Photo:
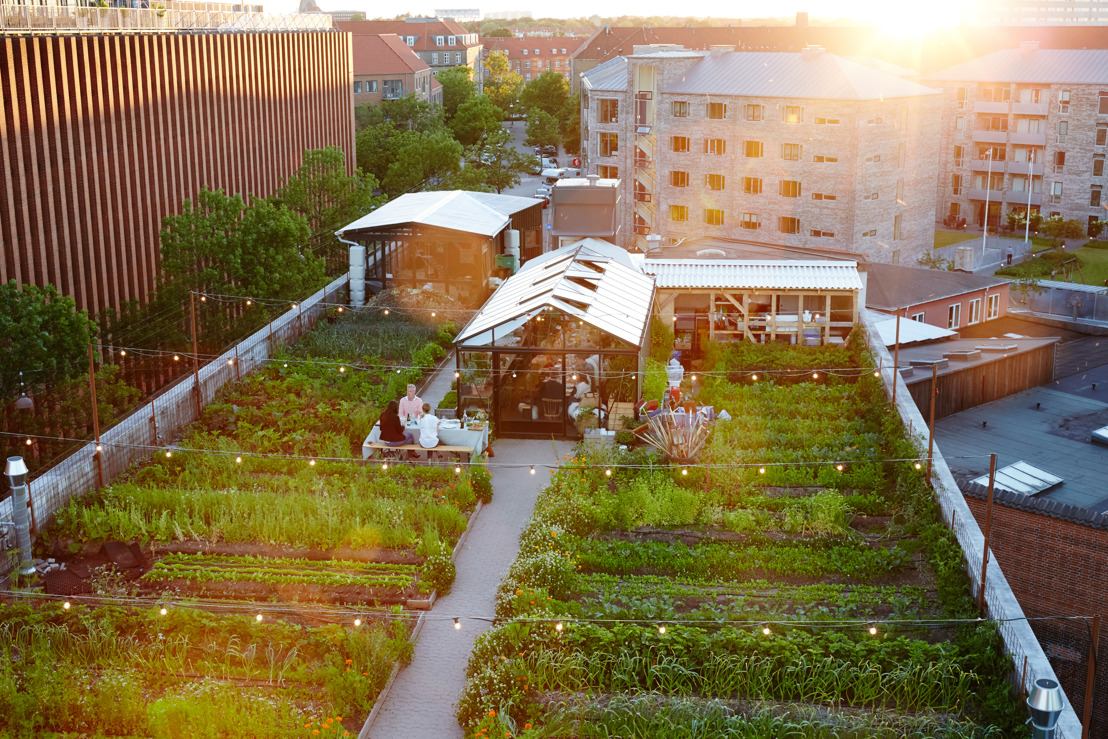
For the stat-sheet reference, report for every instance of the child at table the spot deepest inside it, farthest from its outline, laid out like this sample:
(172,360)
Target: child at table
(428,430)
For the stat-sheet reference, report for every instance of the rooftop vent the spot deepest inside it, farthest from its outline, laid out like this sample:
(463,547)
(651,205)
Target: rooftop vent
(711,254)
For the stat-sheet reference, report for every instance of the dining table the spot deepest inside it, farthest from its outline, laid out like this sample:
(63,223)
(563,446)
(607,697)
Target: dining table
(476,439)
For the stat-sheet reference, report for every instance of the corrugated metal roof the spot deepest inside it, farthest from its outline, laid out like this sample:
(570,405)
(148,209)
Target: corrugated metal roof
(456,210)
(590,280)
(611,76)
(910,331)
(770,275)
(1021,478)
(507,204)
(1046,66)
(816,75)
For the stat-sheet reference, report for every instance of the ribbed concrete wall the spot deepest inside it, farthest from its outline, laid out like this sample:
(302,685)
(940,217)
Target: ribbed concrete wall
(103,135)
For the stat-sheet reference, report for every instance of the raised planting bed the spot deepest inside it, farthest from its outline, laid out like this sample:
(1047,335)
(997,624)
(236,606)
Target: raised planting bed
(801,585)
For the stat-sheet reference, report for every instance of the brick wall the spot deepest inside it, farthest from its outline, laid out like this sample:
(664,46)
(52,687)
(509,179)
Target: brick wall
(1056,567)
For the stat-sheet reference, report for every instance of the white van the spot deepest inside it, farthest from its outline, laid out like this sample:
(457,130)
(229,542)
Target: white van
(550,176)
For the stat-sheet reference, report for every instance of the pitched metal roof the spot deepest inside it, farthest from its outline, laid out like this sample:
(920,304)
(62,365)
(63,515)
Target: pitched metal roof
(590,280)
(506,204)
(894,286)
(1046,66)
(456,210)
(611,76)
(814,74)
(769,275)
(910,331)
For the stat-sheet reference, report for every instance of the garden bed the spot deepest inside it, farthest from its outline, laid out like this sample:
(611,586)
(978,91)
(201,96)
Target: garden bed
(801,586)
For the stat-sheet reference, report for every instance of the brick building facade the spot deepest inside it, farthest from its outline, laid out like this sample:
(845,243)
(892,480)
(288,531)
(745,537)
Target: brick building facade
(1055,557)
(385,68)
(101,135)
(440,42)
(1024,126)
(531,56)
(804,150)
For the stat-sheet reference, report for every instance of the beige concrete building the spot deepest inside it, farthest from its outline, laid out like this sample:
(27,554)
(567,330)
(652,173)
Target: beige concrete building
(1024,127)
(797,149)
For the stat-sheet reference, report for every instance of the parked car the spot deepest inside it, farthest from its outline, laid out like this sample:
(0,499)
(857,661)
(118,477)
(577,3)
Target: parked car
(546,151)
(552,175)
(545,163)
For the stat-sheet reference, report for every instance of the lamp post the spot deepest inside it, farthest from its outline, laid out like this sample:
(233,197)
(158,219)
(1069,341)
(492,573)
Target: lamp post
(1030,189)
(16,471)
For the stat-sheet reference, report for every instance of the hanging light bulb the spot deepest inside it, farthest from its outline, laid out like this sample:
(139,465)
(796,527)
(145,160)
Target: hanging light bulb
(258,617)
(815,375)
(761,470)
(765,630)
(99,447)
(919,466)
(457,374)
(168,453)
(558,626)
(432,314)
(839,467)
(342,369)
(294,305)
(163,611)
(754,378)
(384,466)
(66,605)
(513,375)
(457,469)
(661,628)
(457,624)
(872,630)
(28,442)
(250,302)
(311,462)
(608,472)
(238,460)
(694,378)
(357,622)
(230,361)
(340,309)
(286,364)
(122,352)
(203,298)
(877,373)
(386,311)
(176,357)
(532,469)
(684,471)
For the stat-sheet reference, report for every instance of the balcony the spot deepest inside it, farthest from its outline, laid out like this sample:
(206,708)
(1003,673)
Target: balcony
(990,137)
(1038,109)
(1024,138)
(985,106)
(982,165)
(1018,197)
(994,196)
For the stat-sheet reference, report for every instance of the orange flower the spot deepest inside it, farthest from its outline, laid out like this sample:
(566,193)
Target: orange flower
(492,714)
(519,592)
(315,731)
(349,661)
(365,674)
(527,726)
(308,725)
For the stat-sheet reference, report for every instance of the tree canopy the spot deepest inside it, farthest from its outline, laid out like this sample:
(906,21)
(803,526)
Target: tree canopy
(423,162)
(457,87)
(1059,229)
(502,84)
(500,162)
(542,129)
(548,92)
(475,118)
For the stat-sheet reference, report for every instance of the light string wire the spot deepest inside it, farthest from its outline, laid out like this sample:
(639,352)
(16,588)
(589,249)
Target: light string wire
(312,460)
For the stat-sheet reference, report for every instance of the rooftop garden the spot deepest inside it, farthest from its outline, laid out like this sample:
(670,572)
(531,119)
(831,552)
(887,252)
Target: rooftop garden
(795,580)
(269,567)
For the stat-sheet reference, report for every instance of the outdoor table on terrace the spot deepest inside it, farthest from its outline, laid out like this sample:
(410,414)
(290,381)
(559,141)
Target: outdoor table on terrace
(476,441)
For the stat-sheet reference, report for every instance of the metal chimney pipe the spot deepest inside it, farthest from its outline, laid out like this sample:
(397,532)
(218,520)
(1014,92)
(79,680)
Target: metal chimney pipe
(16,470)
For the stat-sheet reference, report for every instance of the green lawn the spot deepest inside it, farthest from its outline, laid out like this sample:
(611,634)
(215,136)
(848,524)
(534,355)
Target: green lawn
(946,238)
(1093,261)
(1038,243)
(1094,266)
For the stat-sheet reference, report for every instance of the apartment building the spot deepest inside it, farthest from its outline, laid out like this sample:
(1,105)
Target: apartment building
(797,149)
(532,56)
(385,68)
(1024,128)
(440,42)
(108,122)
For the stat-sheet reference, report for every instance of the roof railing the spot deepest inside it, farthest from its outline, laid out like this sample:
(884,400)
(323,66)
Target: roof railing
(113,16)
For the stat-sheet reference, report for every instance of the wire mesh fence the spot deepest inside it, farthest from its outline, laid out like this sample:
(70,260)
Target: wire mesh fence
(153,425)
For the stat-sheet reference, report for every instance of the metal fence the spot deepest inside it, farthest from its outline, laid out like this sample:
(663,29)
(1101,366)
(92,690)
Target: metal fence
(137,436)
(1072,301)
(148,16)
(1030,662)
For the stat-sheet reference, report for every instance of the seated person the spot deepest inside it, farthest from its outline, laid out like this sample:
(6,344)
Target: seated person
(582,388)
(410,405)
(428,429)
(551,389)
(392,428)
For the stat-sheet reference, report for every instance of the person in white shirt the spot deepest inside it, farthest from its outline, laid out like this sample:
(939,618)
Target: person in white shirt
(428,429)
(410,405)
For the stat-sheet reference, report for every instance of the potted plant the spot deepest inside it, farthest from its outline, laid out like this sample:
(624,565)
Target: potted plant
(586,419)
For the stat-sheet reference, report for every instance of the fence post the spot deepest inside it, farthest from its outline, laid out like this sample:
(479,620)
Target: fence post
(988,525)
(1090,679)
(931,428)
(154,421)
(95,421)
(195,357)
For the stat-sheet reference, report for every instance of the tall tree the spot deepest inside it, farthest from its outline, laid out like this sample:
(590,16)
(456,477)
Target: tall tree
(571,125)
(1060,229)
(457,87)
(547,92)
(500,161)
(424,162)
(42,335)
(502,83)
(474,119)
(322,191)
(542,129)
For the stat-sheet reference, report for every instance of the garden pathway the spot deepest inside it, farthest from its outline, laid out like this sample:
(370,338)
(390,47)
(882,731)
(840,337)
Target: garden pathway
(422,699)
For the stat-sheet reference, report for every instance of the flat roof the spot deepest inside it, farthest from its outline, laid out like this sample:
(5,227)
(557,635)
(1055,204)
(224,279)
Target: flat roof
(988,350)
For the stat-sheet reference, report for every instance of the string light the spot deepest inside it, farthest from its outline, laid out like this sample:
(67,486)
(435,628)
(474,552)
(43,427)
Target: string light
(163,611)
(684,470)
(761,470)
(311,462)
(532,469)
(877,373)
(608,472)
(457,624)
(342,369)
(29,443)
(204,299)
(258,617)
(122,352)
(176,357)
(839,467)
(230,361)
(873,630)
(357,622)
(919,466)
(99,447)
(168,453)
(815,375)
(754,378)
(384,466)
(250,302)
(432,314)
(457,374)
(765,630)
(294,306)
(66,605)
(386,311)
(340,309)
(661,628)
(238,460)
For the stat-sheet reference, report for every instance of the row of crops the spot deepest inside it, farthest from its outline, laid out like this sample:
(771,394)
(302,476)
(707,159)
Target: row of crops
(801,585)
(277,566)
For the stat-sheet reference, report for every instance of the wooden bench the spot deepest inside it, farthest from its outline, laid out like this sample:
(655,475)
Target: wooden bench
(384,449)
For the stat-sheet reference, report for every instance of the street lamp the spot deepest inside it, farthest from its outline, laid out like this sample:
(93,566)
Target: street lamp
(1045,706)
(16,471)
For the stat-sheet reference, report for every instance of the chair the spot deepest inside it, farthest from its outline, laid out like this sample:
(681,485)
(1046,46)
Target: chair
(551,409)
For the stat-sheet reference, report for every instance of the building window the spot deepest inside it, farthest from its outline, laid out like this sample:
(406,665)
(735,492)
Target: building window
(1059,162)
(717,111)
(820,158)
(960,98)
(870,233)
(1101,134)
(438,40)
(901,155)
(789,189)
(874,122)
(996,94)
(956,184)
(1094,196)
(822,234)
(897,228)
(713,217)
(823,196)
(678,178)
(1098,166)
(960,123)
(788,225)
(752,149)
(874,158)
(993,308)
(714,181)
(752,185)
(1063,129)
(996,153)
(790,152)
(457,57)
(450,41)
(1103,109)
(410,40)
(792,114)
(434,57)
(750,220)
(525,52)
(371,86)
(954,315)
(357,87)
(715,146)
(538,64)
(678,213)
(607,172)
(609,144)
(1064,101)
(680,109)
(557,63)
(609,110)
(754,112)
(527,64)
(1055,192)
(974,312)
(536,52)
(959,155)
(827,121)
(680,143)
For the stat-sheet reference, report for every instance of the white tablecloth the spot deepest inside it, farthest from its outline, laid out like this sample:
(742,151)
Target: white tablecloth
(478,441)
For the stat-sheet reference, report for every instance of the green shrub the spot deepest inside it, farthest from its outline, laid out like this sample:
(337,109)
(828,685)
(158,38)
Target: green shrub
(482,483)
(439,572)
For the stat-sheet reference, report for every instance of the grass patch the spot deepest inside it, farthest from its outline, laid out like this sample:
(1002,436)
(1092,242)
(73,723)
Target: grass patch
(949,238)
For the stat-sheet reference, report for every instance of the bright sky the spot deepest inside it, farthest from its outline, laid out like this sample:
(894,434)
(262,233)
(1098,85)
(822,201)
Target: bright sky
(899,15)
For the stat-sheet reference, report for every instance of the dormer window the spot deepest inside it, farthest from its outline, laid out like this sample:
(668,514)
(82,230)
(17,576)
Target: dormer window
(525,52)
(536,52)
(450,40)
(410,41)
(438,40)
